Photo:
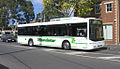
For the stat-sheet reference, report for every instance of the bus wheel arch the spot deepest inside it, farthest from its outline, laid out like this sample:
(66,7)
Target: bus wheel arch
(66,45)
(30,42)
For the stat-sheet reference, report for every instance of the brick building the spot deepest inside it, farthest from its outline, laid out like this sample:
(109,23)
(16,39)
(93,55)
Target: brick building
(108,11)
(110,15)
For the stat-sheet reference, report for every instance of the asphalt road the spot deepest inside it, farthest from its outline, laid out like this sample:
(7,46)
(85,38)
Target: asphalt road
(16,56)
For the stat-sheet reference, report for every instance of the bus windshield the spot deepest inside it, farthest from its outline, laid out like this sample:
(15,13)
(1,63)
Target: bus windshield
(96,30)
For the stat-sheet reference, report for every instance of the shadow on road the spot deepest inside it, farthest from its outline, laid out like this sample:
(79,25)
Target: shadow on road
(95,50)
(3,67)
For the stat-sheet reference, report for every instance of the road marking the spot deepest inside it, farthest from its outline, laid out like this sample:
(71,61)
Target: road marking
(48,49)
(26,47)
(108,57)
(76,53)
(111,57)
(101,54)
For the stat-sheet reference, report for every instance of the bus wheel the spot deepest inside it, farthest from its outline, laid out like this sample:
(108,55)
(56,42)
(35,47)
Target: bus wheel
(30,43)
(66,45)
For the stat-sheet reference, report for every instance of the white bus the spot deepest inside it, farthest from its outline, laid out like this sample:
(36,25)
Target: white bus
(67,33)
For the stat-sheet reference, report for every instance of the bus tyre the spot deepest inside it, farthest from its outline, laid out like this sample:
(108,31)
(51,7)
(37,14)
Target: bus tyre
(66,45)
(30,43)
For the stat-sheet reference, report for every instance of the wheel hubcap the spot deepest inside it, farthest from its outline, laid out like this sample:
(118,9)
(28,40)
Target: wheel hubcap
(66,45)
(30,43)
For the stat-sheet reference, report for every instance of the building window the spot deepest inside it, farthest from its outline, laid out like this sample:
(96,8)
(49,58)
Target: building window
(109,7)
(97,9)
(108,32)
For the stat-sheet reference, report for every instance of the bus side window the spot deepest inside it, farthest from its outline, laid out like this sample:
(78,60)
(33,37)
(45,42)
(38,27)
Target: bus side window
(82,33)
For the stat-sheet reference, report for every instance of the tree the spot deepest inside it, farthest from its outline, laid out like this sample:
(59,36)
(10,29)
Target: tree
(58,8)
(83,7)
(66,7)
(22,11)
(15,11)
(28,11)
(39,17)
(54,9)
(4,16)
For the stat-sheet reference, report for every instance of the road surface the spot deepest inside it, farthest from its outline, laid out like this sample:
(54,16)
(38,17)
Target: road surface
(16,56)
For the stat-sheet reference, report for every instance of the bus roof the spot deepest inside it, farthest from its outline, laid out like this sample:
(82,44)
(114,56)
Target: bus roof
(57,21)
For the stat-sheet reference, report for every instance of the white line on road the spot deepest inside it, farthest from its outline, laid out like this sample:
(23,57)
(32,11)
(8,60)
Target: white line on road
(75,53)
(109,57)
(48,49)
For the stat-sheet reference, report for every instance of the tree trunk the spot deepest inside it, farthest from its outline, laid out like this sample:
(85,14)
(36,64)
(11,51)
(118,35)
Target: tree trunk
(76,11)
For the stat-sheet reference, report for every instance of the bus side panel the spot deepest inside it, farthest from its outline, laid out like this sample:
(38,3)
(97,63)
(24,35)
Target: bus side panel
(53,41)
(79,43)
(50,41)
(25,39)
(35,40)
(22,40)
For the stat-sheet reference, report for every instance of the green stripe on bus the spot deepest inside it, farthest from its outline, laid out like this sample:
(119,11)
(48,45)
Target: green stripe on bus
(77,43)
(52,40)
(51,45)
(46,40)
(84,47)
(73,46)
(45,36)
(80,43)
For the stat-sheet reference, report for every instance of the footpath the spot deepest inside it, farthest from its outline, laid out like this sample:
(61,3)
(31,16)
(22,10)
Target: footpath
(113,47)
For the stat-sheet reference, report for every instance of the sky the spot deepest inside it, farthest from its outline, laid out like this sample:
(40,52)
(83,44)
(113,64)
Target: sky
(38,7)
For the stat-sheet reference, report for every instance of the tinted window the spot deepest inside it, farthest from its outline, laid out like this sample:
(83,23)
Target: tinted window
(96,30)
(27,30)
(78,29)
(56,30)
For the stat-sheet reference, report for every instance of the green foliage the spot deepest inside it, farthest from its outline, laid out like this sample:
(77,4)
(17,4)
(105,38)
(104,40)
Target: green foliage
(64,8)
(83,7)
(54,9)
(4,16)
(38,18)
(12,11)
(59,7)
